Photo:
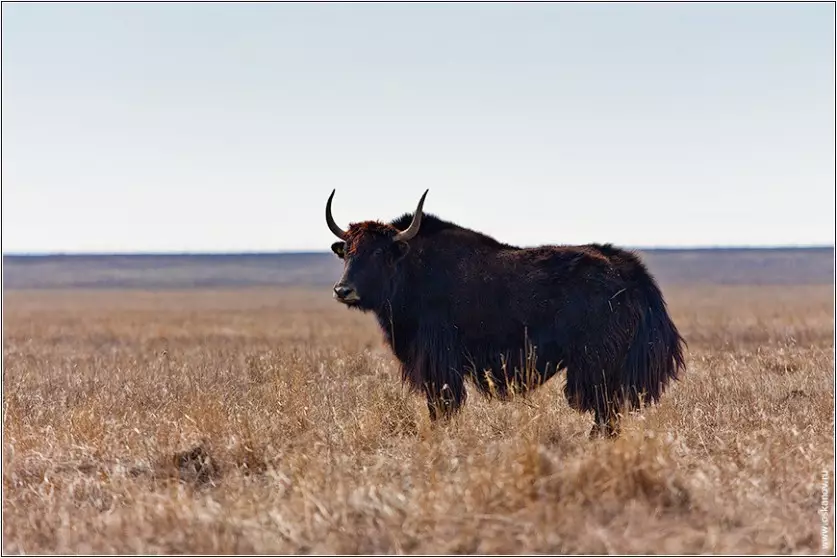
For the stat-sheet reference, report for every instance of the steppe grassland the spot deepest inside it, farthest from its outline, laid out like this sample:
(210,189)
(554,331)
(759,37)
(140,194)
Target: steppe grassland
(274,421)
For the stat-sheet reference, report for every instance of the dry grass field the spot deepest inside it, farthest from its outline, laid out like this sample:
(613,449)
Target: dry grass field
(274,421)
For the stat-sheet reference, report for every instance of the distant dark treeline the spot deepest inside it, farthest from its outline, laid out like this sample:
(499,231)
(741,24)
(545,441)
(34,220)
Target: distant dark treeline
(766,266)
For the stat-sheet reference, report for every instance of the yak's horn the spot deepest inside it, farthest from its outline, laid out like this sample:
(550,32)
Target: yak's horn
(338,232)
(413,229)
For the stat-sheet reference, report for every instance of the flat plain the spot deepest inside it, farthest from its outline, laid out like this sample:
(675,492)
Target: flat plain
(250,419)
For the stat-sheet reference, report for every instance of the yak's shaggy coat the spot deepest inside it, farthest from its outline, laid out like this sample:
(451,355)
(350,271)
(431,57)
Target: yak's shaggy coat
(456,304)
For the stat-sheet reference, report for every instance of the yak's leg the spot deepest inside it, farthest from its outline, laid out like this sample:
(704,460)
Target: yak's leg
(607,422)
(445,401)
(609,405)
(586,390)
(440,370)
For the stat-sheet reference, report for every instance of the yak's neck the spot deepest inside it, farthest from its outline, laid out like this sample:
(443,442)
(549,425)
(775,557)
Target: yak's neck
(398,322)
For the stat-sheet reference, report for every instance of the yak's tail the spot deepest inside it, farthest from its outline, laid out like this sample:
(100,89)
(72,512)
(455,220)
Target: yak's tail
(655,356)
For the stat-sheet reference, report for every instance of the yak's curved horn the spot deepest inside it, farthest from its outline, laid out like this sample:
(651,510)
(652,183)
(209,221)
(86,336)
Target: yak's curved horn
(338,232)
(413,229)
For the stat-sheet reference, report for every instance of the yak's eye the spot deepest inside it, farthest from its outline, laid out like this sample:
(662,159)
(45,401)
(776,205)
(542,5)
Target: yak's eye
(378,252)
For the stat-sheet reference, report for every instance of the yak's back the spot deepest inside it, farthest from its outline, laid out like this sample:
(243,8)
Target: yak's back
(607,259)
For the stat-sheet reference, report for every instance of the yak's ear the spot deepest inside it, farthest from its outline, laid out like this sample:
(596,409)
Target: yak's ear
(399,250)
(339,248)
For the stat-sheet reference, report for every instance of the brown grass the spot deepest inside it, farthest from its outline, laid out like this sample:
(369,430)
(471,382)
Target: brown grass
(274,421)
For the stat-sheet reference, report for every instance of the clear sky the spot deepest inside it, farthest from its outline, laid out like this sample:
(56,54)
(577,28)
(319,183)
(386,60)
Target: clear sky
(224,127)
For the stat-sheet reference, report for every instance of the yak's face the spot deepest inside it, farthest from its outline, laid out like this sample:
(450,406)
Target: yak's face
(372,252)
(371,263)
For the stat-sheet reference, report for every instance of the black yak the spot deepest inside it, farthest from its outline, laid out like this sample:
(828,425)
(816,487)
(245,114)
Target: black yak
(454,304)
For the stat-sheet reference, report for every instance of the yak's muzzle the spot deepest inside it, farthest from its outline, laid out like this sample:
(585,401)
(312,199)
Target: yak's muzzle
(345,294)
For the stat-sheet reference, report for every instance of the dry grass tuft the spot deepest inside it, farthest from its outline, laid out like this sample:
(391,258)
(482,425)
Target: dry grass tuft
(275,422)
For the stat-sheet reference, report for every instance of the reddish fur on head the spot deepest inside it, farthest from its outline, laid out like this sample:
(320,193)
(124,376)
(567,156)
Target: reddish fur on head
(359,232)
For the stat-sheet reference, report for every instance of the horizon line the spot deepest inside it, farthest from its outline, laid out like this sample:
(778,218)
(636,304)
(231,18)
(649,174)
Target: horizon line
(698,247)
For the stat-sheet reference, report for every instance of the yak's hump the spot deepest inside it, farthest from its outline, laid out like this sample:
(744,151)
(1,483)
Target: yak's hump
(432,225)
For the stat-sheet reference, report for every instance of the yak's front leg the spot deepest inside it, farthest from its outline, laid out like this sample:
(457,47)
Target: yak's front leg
(436,368)
(445,401)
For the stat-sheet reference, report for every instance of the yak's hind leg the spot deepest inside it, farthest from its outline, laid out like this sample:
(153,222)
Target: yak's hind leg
(607,420)
(594,390)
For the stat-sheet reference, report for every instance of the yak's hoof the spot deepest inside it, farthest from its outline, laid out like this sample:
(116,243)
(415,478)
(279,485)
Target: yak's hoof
(604,430)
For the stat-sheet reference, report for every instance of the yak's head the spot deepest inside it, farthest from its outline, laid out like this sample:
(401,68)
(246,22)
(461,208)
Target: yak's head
(372,252)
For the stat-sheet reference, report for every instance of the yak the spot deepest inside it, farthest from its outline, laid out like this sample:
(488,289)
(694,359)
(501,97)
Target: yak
(455,304)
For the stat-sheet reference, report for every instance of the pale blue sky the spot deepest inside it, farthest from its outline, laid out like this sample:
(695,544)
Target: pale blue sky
(223,127)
